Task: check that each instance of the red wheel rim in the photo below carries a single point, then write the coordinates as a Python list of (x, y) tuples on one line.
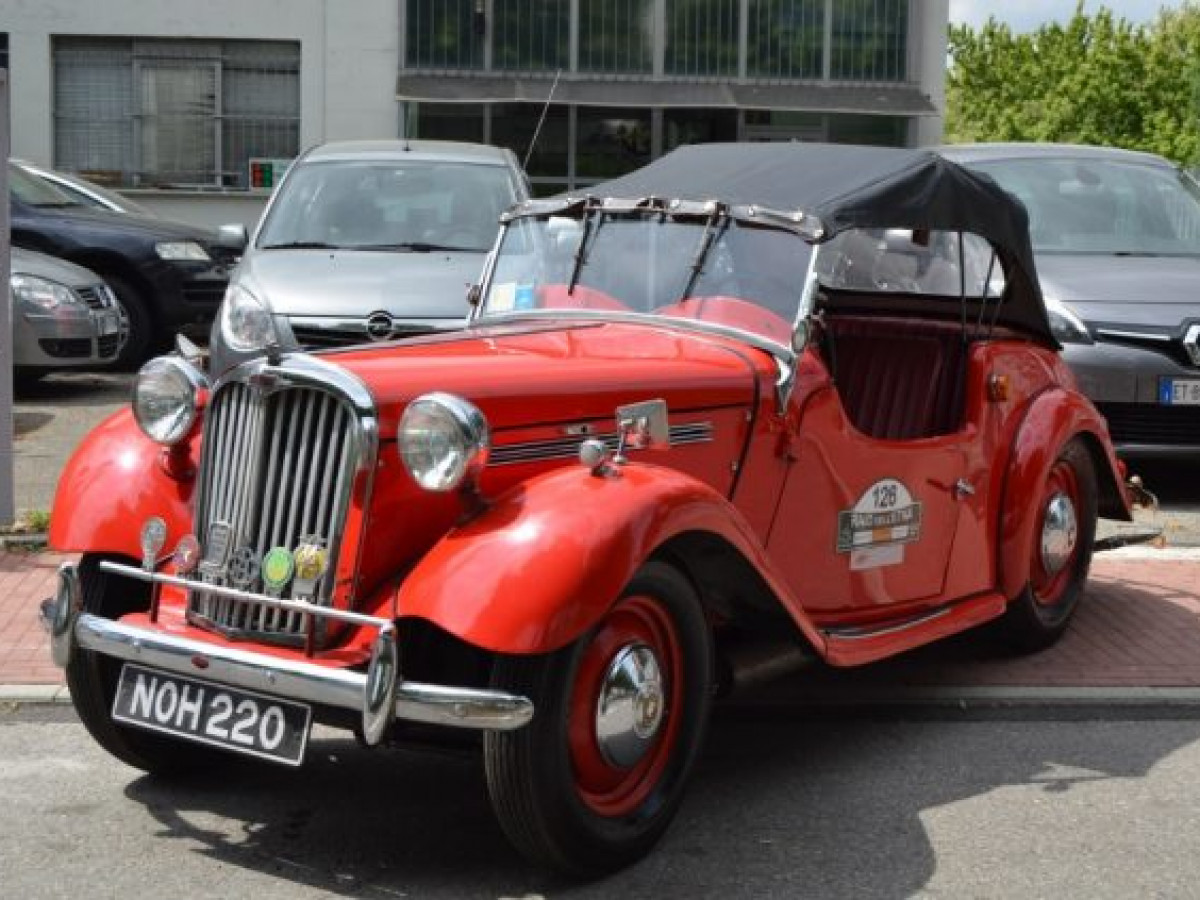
[(605, 789), (1049, 584)]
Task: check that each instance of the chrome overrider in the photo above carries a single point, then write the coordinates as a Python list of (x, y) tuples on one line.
[(379, 694)]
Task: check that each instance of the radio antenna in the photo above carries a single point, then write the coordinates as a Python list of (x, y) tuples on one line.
[(541, 119)]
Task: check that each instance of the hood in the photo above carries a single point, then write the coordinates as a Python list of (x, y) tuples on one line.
[(30, 262), (1127, 290), (152, 229), (564, 373), (407, 284)]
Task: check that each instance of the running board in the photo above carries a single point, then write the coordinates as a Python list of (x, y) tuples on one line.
[(853, 646)]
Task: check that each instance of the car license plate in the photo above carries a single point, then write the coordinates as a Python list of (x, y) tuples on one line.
[(1179, 391), (214, 714)]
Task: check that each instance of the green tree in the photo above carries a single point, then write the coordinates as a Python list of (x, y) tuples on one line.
[(1095, 80)]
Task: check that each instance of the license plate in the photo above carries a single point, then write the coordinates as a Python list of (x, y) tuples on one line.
[(1179, 391), (233, 719)]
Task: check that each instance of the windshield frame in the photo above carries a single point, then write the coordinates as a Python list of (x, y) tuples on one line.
[(706, 214)]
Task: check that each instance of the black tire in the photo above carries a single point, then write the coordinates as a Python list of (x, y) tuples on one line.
[(1040, 614), (137, 321), (92, 680), (25, 377), (560, 800)]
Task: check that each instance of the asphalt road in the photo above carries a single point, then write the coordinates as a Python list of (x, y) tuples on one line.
[(53, 416), (780, 807)]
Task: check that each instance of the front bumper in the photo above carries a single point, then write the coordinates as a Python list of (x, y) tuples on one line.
[(379, 694), (48, 341), (1125, 382)]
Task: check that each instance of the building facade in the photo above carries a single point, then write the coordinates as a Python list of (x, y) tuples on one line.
[(195, 108), (608, 85)]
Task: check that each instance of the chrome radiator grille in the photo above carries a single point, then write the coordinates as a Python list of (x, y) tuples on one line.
[(278, 470)]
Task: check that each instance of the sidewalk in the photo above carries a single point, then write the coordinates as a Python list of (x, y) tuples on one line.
[(1137, 634)]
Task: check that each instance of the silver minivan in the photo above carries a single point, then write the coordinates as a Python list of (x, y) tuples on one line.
[(366, 241)]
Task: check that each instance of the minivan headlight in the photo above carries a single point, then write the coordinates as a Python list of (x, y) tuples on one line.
[(443, 441), (167, 398), (245, 320), (1065, 324)]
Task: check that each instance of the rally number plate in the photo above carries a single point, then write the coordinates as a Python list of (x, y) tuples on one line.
[(1179, 391), (213, 714)]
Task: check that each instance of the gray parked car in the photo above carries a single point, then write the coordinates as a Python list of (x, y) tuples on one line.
[(62, 315), (367, 241), (1116, 235)]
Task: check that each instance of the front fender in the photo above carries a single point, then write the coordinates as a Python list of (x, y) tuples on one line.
[(544, 563), (1054, 417), (113, 482)]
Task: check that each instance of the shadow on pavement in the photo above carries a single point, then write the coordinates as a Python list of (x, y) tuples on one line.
[(777, 808)]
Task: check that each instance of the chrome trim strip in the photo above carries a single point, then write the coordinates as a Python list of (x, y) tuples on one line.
[(568, 447), (228, 593), (858, 633), (1135, 335), (457, 707)]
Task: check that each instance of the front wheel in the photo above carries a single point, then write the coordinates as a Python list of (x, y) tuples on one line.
[(92, 680), (1061, 554), (594, 780), (137, 324)]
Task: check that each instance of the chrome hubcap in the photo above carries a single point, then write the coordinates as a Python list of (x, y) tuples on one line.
[(1059, 533), (629, 711)]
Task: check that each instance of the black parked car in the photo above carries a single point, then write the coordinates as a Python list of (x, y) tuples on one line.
[(167, 276)]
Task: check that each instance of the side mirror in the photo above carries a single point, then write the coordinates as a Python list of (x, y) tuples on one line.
[(233, 237)]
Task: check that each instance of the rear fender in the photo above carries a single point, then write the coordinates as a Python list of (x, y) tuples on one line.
[(1054, 417), (115, 480), (543, 564)]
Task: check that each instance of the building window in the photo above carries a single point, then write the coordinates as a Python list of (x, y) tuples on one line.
[(612, 141), (616, 36), (513, 125), (445, 34), (447, 121), (698, 126), (531, 35), (702, 37), (177, 113), (785, 38), (886, 131), (870, 40)]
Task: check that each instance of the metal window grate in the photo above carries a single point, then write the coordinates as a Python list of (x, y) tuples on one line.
[(178, 113)]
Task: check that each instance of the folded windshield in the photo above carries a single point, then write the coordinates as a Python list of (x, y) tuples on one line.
[(710, 267)]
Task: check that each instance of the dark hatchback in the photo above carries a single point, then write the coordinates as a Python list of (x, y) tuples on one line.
[(166, 276), (1116, 235)]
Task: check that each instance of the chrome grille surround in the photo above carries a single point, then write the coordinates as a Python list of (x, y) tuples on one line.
[(288, 452)]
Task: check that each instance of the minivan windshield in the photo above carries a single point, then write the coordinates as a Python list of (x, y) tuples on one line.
[(1091, 205), (388, 205)]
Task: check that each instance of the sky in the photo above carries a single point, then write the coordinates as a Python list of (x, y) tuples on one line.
[(1026, 15)]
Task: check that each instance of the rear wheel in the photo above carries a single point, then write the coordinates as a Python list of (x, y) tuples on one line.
[(1061, 553), (594, 780), (92, 679)]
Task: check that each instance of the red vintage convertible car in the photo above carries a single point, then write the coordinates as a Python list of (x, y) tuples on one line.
[(793, 396)]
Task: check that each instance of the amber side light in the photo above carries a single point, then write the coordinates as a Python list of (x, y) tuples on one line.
[(997, 388)]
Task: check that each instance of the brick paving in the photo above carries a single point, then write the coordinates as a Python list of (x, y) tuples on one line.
[(1138, 627)]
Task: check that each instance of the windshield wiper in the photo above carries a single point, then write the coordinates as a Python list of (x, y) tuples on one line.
[(418, 247), (706, 241), (301, 245), (589, 230)]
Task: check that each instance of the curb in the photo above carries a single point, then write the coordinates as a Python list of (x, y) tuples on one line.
[(34, 693)]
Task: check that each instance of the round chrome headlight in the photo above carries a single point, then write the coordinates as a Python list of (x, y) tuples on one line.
[(167, 396), (245, 320), (443, 440)]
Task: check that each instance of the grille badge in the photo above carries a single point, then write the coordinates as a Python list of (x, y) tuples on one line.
[(243, 568), (1191, 343), (380, 326), (216, 553)]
